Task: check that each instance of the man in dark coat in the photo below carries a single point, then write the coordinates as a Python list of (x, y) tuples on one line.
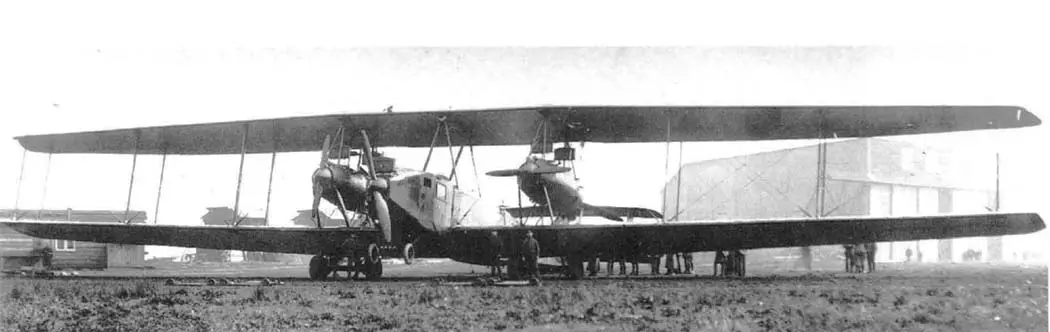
[(871, 248), (720, 263), (848, 254), (859, 258), (530, 249), (495, 249)]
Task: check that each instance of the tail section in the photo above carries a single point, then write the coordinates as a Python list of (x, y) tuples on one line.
[(607, 212), (617, 213), (614, 213)]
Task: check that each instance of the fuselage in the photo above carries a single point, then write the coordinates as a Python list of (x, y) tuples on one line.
[(423, 207)]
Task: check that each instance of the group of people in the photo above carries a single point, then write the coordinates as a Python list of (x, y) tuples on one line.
[(529, 258), (725, 264), (678, 263), (859, 257), (732, 264)]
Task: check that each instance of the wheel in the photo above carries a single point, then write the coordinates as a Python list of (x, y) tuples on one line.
[(319, 268), (373, 254), (374, 271), (373, 262), (409, 254)]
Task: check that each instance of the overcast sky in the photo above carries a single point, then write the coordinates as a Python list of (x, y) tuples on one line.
[(98, 67)]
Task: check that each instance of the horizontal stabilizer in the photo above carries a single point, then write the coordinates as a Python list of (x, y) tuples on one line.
[(608, 212), (519, 171), (627, 212), (505, 172)]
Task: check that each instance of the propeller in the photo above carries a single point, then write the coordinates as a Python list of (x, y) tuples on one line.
[(322, 173), (376, 185)]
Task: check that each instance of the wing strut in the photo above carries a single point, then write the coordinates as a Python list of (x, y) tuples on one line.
[(549, 207), (160, 185), (433, 141), (47, 176), (667, 163), (474, 165), (18, 192), (240, 175), (273, 162), (678, 184), (131, 182)]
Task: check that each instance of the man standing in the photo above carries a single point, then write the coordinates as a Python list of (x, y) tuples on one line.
[(859, 258), (687, 260), (807, 258), (654, 264), (495, 249), (670, 264), (848, 249), (530, 248), (720, 263), (871, 248)]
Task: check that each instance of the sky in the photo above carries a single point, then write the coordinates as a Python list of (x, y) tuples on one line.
[(119, 65)]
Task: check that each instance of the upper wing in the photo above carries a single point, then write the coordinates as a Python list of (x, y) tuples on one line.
[(269, 239), (752, 234), (518, 126)]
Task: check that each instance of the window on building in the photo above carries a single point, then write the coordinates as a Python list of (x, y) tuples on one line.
[(64, 245)]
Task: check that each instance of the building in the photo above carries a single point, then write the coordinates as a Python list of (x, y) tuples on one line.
[(863, 177), (15, 247), (223, 216), (303, 218)]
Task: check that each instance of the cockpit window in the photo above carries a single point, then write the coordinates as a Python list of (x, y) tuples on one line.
[(426, 182), (441, 191)]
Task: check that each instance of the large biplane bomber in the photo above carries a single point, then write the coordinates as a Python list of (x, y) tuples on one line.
[(420, 213)]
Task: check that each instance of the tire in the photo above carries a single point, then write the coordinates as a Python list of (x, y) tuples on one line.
[(375, 271), (409, 254), (319, 268)]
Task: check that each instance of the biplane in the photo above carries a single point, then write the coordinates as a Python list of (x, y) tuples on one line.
[(419, 213)]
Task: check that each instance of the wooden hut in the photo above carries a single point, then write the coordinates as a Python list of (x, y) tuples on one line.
[(15, 248)]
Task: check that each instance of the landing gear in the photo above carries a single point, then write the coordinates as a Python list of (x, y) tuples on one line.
[(373, 267), (366, 264), (409, 254), (319, 267)]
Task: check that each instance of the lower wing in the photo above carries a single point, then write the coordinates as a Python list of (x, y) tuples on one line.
[(561, 240), (270, 239)]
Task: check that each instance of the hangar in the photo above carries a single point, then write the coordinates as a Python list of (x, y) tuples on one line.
[(862, 177)]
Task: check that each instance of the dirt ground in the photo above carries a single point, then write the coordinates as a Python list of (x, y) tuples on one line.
[(774, 297)]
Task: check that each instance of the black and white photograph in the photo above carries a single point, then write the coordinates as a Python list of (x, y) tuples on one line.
[(529, 167)]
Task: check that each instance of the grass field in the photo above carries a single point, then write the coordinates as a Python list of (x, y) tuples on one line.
[(950, 297)]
